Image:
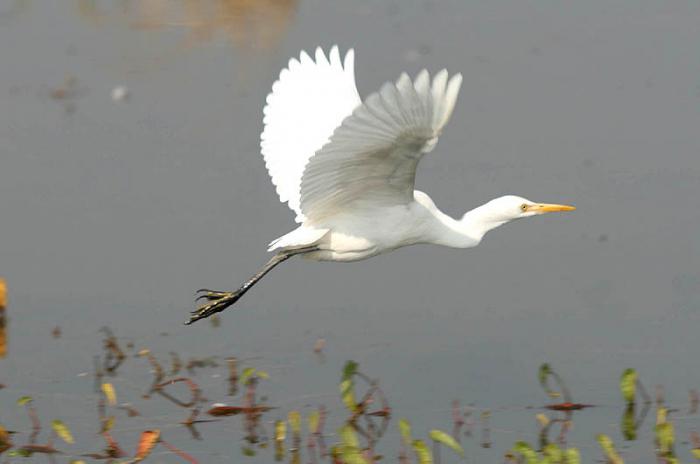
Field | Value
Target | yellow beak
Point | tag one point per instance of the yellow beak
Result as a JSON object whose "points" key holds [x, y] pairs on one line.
{"points": [[542, 208]]}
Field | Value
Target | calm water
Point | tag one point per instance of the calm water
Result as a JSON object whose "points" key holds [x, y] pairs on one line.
{"points": [[114, 212]]}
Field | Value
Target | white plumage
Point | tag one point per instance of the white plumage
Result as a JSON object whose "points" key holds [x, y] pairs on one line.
{"points": [[310, 99], [347, 168]]}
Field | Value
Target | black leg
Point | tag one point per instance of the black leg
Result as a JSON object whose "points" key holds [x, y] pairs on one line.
{"points": [[218, 301]]}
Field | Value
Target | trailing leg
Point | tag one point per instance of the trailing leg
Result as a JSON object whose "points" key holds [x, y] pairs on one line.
{"points": [[218, 301]]}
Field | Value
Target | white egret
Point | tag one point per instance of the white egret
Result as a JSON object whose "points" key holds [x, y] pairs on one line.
{"points": [[347, 168]]}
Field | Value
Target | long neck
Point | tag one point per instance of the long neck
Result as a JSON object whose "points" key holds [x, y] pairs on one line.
{"points": [[468, 231], [481, 220]]}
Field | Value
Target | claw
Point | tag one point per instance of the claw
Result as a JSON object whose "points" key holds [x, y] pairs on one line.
{"points": [[212, 295], [219, 302]]}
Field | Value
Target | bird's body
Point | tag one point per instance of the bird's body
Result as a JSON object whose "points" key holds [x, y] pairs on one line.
{"points": [[347, 168], [375, 231]]}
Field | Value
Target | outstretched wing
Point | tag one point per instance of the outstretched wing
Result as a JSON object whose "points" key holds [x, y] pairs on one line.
{"points": [[310, 99], [371, 158]]}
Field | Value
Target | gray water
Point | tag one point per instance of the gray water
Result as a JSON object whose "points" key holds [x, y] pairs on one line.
{"points": [[113, 212]]}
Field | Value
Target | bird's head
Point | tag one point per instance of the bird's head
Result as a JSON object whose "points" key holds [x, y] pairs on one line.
{"points": [[509, 207]]}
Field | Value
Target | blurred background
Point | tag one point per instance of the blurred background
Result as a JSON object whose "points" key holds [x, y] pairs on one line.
{"points": [[130, 176]]}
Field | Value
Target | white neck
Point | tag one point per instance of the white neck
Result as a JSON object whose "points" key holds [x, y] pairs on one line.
{"points": [[468, 231]]}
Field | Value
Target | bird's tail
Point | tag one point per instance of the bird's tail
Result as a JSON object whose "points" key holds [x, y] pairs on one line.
{"points": [[302, 236]]}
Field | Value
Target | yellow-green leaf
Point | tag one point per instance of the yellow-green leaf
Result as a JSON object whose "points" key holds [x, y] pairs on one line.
{"points": [[314, 420], [351, 455], [294, 421], [247, 374], [447, 440], [628, 385], [350, 446], [553, 452], [422, 452], [24, 400], [526, 451], [62, 431], [696, 453], [108, 390], [572, 456], [347, 394], [661, 415], [665, 436], [347, 386], [609, 449], [107, 424], [280, 430], [405, 429], [348, 436]]}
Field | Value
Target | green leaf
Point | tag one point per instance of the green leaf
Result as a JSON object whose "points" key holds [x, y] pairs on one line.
{"points": [[405, 429], [629, 423], [544, 373], [628, 385], [347, 386], [609, 449], [695, 452], [349, 369], [447, 440], [422, 452], [24, 400], [262, 375], [62, 431]]}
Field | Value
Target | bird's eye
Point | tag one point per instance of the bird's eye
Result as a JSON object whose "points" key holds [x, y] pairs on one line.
{"points": [[523, 207]]}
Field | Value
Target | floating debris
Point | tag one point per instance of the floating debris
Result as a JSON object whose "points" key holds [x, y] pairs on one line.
{"points": [[120, 94], [319, 345]]}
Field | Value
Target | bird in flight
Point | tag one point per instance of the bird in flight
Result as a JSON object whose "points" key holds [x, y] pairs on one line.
{"points": [[347, 168]]}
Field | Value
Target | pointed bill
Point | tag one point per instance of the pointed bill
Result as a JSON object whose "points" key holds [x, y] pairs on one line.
{"points": [[542, 208]]}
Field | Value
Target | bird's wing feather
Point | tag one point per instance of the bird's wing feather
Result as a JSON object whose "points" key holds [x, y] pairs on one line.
{"points": [[370, 160], [310, 99]]}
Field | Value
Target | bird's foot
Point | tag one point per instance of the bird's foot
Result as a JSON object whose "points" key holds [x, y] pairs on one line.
{"points": [[218, 301]]}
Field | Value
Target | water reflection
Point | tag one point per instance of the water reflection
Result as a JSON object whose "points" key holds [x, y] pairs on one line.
{"points": [[248, 24]]}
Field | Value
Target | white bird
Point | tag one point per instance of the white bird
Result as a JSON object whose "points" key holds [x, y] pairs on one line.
{"points": [[347, 168]]}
